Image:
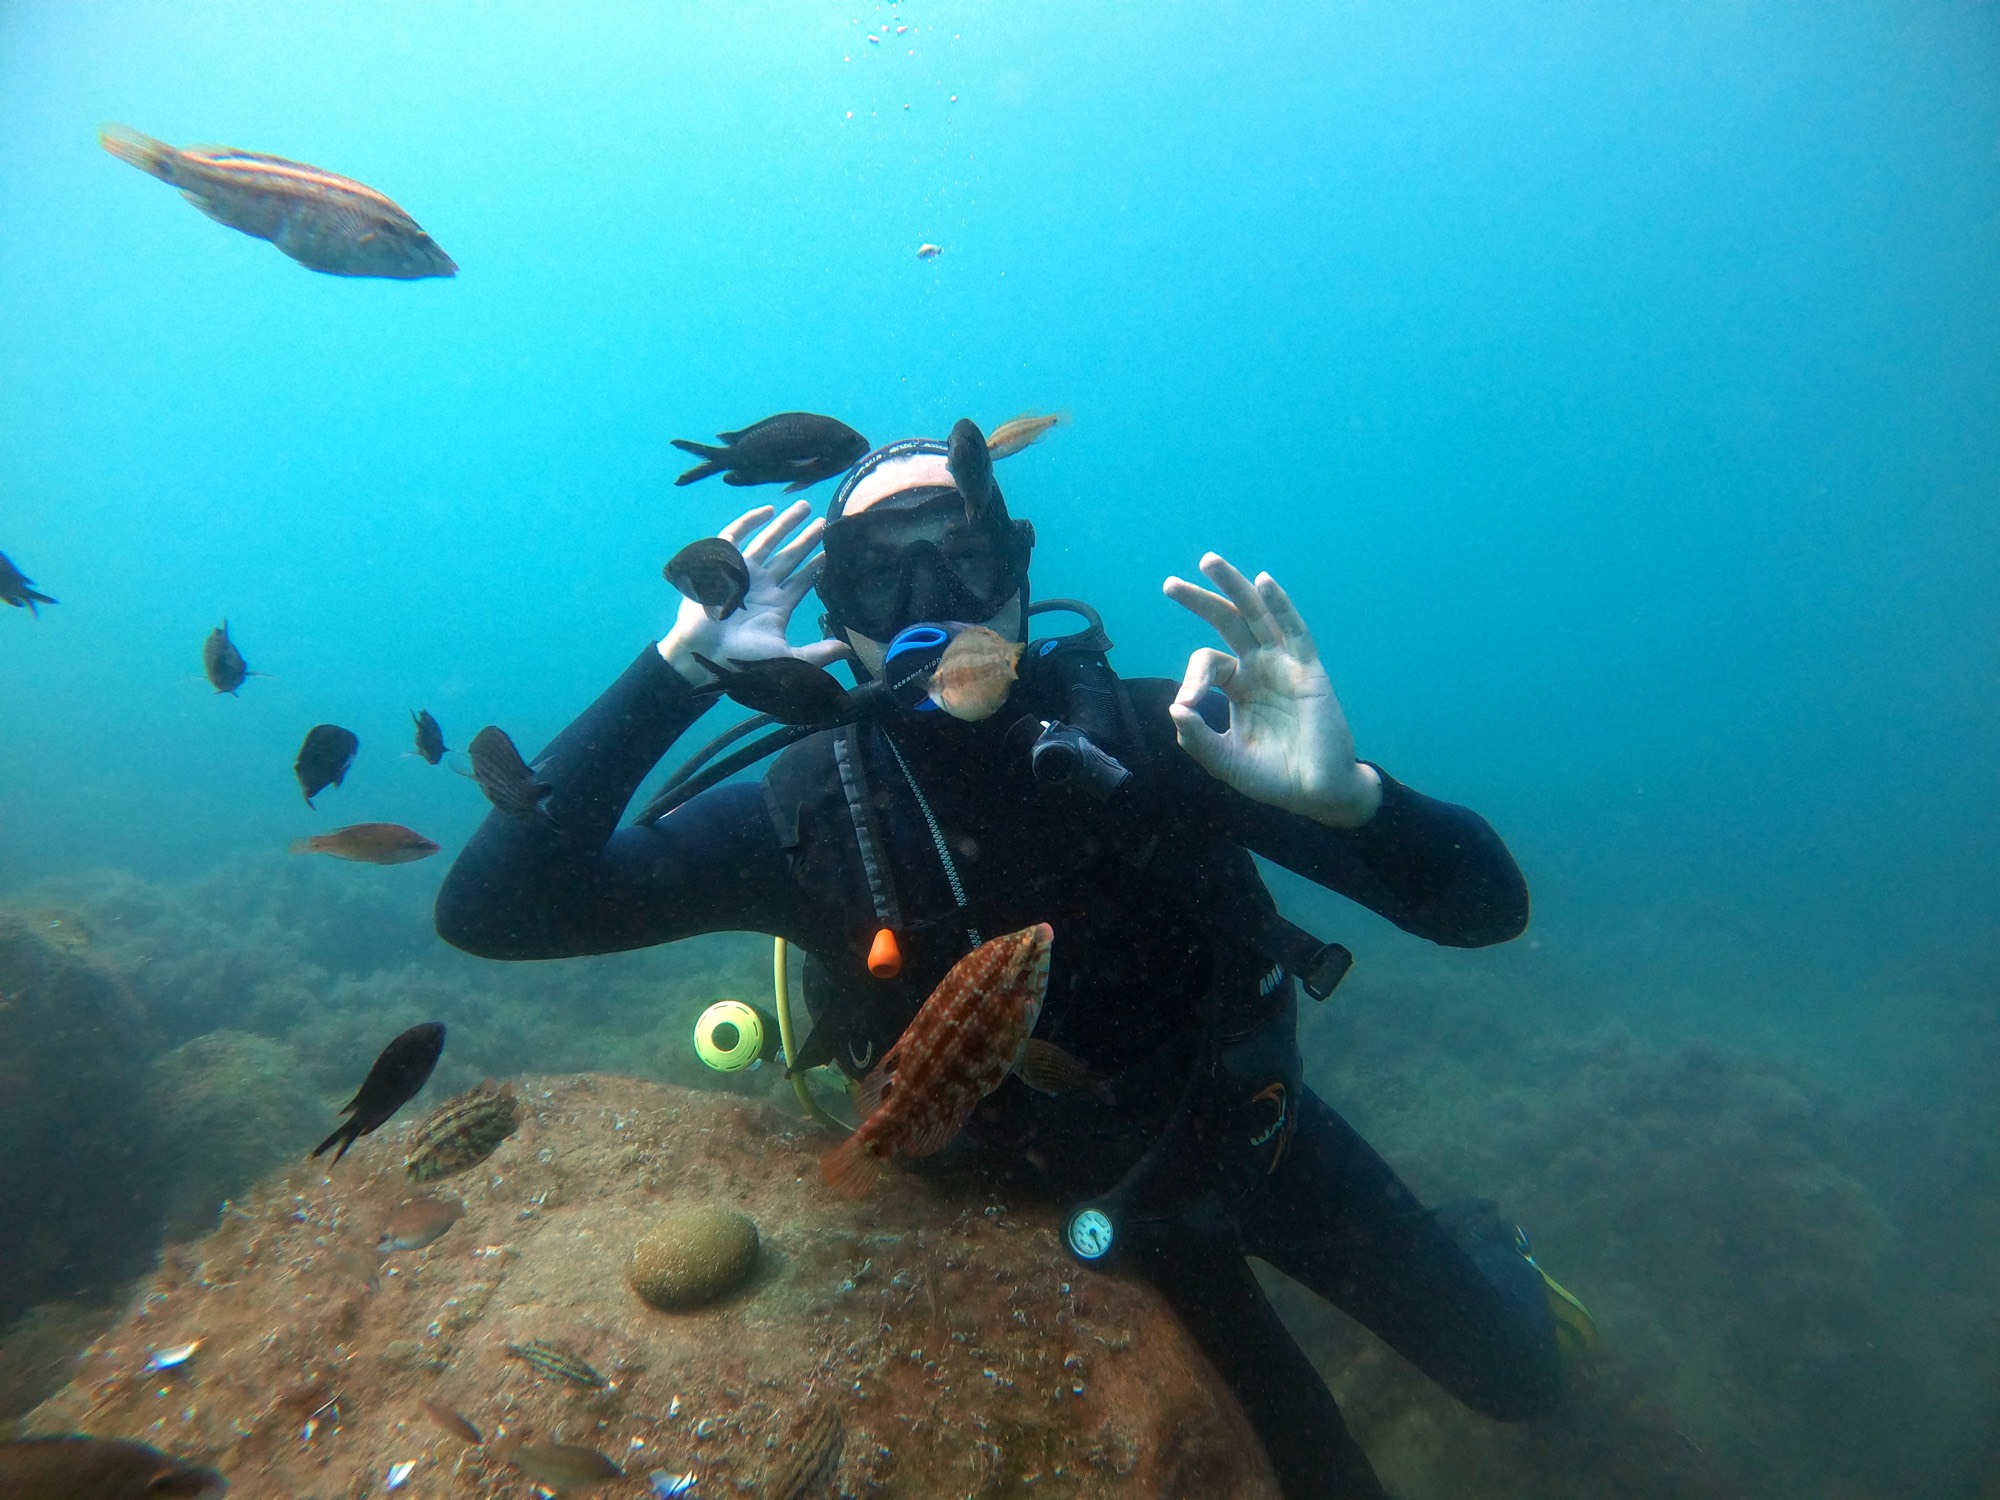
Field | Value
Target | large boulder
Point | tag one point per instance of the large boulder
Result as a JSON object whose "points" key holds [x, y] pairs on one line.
{"points": [[225, 1109], [77, 1207], [935, 1341]]}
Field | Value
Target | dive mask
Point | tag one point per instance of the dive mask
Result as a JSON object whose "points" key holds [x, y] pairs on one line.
{"points": [[918, 558]]}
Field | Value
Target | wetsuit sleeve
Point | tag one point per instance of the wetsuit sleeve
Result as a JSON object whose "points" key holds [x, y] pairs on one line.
{"points": [[1434, 869], [523, 889]]}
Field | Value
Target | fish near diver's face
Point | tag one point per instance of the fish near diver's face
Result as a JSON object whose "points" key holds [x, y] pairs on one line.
{"points": [[1005, 622]]}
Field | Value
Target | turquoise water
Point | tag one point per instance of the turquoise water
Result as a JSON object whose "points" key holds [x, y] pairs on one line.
{"points": [[1616, 389]]}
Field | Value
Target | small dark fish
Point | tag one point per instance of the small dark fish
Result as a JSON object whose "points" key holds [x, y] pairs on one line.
{"points": [[451, 1422], [558, 1466], [462, 1132], [557, 1364], [789, 690], [971, 465], [794, 448], [17, 589], [815, 1460], [324, 758], [222, 663], [505, 778], [712, 573], [369, 844], [419, 1223], [88, 1468], [322, 221], [430, 738], [403, 1068]]}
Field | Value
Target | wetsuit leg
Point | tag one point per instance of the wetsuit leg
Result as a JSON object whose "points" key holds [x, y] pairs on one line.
{"points": [[1217, 1299], [1475, 1317]]}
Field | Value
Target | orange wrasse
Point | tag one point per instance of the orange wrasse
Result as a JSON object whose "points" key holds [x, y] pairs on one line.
{"points": [[322, 221], [958, 1049], [1010, 438]]}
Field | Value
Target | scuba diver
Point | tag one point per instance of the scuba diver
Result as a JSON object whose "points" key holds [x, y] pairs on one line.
{"points": [[888, 840]]}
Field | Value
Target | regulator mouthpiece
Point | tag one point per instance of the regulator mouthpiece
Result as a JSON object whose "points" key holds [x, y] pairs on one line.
{"points": [[912, 657]]}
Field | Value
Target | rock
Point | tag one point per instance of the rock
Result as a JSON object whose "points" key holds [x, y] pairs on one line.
{"points": [[78, 1204], [693, 1256], [225, 1109], [957, 1347]]}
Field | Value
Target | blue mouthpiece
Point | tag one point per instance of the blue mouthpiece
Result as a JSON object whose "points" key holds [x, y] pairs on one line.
{"points": [[913, 655]]}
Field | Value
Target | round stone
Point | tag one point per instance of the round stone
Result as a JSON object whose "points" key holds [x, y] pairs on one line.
{"points": [[693, 1256]]}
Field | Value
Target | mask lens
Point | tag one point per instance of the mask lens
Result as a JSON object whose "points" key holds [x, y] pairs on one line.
{"points": [[887, 568]]}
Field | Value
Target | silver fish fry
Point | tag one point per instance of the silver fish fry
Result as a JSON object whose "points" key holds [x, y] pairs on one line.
{"points": [[323, 221]]}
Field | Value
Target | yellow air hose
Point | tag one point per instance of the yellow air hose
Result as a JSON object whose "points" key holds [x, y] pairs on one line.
{"points": [[782, 990]]}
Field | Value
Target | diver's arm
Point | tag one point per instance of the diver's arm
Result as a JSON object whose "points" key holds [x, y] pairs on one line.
{"points": [[524, 889], [1434, 869], [1287, 742]]}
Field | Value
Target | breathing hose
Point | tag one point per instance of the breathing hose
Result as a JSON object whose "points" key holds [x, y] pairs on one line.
{"points": [[782, 993]]}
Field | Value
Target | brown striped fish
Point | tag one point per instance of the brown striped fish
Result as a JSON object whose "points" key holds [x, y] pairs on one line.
{"points": [[462, 1132], [814, 1462], [322, 221], [960, 1046]]}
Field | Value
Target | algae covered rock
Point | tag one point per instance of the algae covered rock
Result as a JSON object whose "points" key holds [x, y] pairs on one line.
{"points": [[931, 1341], [693, 1256], [226, 1108]]}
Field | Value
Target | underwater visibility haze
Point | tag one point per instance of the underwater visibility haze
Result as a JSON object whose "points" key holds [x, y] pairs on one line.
{"points": [[1616, 391]]}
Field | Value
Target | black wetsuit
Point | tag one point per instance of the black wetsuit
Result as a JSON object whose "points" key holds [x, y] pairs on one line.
{"points": [[1154, 985]]}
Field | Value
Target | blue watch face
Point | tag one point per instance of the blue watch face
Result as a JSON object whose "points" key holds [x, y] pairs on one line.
{"points": [[1090, 1234]]}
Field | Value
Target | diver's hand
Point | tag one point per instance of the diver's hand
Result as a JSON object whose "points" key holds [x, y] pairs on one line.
{"points": [[780, 576], [1288, 744]]}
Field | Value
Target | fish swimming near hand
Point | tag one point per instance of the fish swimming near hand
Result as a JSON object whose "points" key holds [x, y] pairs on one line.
{"points": [[17, 589], [222, 664], [971, 1032], [402, 1069], [1010, 438], [322, 221], [505, 778], [789, 690], [90, 1468], [430, 738], [325, 757], [711, 572], [369, 844], [971, 467], [975, 674], [795, 448]]}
